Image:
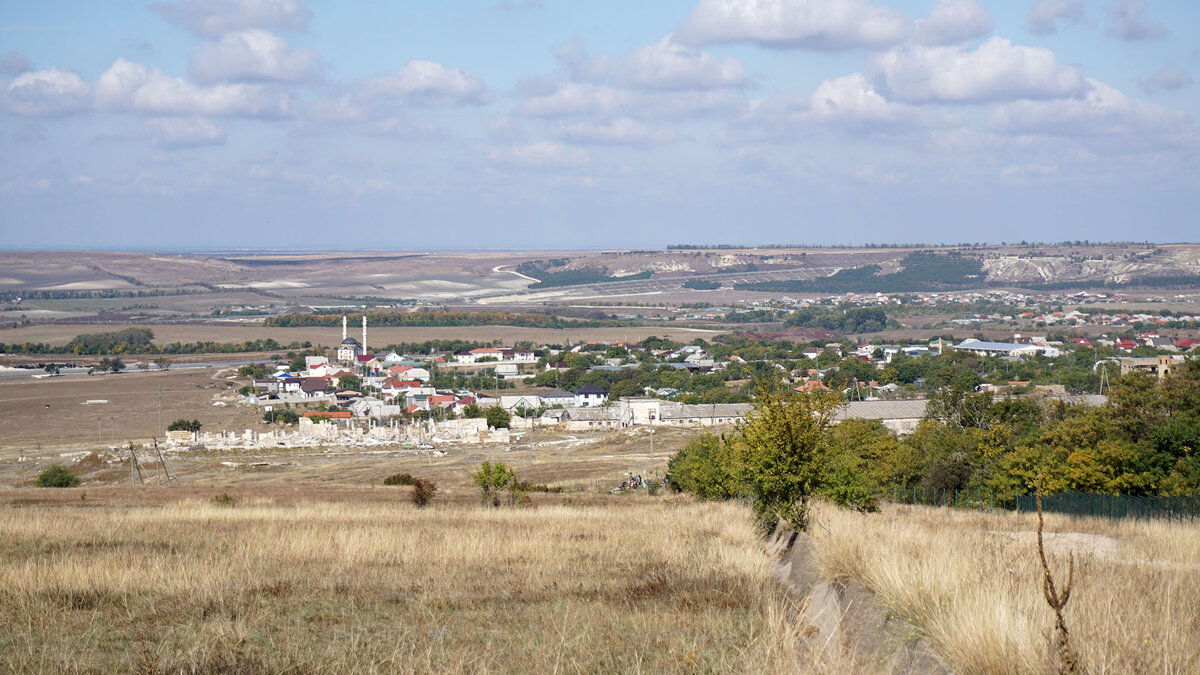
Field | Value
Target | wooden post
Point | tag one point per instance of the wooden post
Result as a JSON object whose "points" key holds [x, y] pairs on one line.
{"points": [[162, 462]]}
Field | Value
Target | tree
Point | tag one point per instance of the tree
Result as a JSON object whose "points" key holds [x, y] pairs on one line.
{"points": [[184, 425], [491, 479], [57, 476], [497, 417], [781, 448], [162, 363], [472, 410], [52, 368], [705, 467], [298, 364], [349, 382], [282, 416]]}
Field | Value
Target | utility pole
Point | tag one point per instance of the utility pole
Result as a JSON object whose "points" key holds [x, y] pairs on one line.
{"points": [[162, 462]]}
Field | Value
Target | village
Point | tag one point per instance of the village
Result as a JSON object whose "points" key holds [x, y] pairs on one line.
{"points": [[358, 398]]}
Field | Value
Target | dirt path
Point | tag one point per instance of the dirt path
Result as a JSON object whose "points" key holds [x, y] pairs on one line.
{"points": [[846, 626]]}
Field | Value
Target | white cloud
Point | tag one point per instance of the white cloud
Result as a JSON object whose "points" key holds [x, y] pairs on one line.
{"points": [[848, 103], [622, 131], [667, 64], [180, 132], [573, 98], [128, 86], [852, 100], [428, 83], [217, 17], [998, 70], [1167, 78], [1044, 16], [604, 101], [540, 155], [1129, 22], [663, 65], [823, 25], [46, 93], [952, 22], [253, 56], [1105, 111]]}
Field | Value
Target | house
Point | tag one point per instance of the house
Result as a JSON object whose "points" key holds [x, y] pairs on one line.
{"points": [[557, 397], [529, 401], [1012, 349], [586, 419], [589, 395], [508, 371], [1159, 366], [313, 387], [269, 385], [408, 372], [900, 417], [702, 414], [811, 386]]}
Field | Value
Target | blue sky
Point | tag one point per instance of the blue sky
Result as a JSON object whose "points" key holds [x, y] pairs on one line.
{"points": [[200, 124]]}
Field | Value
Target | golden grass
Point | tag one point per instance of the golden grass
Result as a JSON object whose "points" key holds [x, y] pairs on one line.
{"points": [[970, 582], [658, 585]]}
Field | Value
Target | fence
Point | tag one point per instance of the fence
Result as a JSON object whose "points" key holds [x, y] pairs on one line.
{"points": [[1175, 507]]}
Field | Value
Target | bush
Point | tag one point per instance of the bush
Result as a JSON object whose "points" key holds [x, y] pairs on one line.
{"points": [[57, 476], [184, 425], [223, 499], [284, 416], [491, 479], [423, 492], [399, 479]]}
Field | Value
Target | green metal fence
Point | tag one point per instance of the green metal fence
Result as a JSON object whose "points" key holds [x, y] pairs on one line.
{"points": [[1174, 507]]}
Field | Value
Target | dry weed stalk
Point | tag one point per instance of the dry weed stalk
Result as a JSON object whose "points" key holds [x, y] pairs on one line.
{"points": [[1068, 660]]}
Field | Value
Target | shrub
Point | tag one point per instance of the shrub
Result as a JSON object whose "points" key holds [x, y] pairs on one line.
{"points": [[423, 492], [57, 476], [284, 416], [491, 479], [184, 425], [223, 499], [399, 479]]}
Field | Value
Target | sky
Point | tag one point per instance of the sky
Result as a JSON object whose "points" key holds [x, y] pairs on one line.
{"points": [[535, 124]]}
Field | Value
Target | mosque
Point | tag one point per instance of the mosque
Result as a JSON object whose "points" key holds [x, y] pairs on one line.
{"points": [[350, 349]]}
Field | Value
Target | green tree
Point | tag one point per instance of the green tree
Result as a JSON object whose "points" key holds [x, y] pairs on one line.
{"points": [[781, 448], [497, 417], [491, 479], [705, 467], [52, 368], [57, 476]]}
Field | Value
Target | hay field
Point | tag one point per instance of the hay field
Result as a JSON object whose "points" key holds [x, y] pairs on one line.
{"points": [[61, 334], [970, 583], [638, 584]]}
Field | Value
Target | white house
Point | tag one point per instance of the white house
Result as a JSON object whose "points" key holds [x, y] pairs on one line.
{"points": [[589, 396]]}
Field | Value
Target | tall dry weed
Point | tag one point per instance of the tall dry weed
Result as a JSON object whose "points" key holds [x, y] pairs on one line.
{"points": [[972, 584]]}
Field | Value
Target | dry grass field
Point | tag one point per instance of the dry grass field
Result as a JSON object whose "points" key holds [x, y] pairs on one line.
{"points": [[61, 334], [634, 585], [970, 583], [52, 413]]}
